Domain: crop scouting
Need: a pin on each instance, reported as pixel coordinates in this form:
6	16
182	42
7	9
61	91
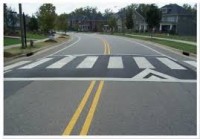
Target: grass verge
165	35
176	45
11	41
12	52
35	36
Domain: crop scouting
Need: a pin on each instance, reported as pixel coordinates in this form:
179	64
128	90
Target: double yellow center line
106	47
88	120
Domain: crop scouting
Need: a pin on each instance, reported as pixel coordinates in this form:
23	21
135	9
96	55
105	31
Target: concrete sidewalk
180	41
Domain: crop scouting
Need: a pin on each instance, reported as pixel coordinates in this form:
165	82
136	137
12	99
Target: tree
129	18
142	9
33	24
153	16
5	16
108	13
112	22
189	8
61	22
46	17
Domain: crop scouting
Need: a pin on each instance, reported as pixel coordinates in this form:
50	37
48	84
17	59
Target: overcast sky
67	7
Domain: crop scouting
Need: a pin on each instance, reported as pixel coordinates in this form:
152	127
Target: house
120	18
177	20
86	24
139	22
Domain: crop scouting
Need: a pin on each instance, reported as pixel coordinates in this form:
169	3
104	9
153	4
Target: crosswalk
143	63
115	63
111	62
15	65
60	63
192	63
171	64
88	62
35	64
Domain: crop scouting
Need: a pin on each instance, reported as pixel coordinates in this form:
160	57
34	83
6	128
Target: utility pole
21	25
24	25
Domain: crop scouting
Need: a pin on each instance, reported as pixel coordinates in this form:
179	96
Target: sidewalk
18	45
180	41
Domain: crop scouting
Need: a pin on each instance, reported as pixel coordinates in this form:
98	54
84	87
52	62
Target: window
169	19
164	10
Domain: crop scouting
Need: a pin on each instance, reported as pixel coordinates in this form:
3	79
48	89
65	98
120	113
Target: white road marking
60	63
79	38
34	64
192	63
146	72
171	64
147	48
15	65
7	71
115	63
99	79
154	78
143	63
88	62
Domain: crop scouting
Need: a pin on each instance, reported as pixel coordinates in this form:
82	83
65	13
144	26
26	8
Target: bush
172	32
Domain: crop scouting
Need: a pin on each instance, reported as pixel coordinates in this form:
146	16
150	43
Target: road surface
101	85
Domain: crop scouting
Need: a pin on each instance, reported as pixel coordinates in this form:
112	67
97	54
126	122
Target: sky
69	6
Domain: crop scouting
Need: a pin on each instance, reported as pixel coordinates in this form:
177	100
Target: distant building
139	22
178	20
86	24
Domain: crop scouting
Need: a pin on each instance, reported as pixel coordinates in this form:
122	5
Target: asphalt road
101	85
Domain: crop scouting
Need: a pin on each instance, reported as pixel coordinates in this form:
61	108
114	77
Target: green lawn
164	35
11	41
176	45
35	36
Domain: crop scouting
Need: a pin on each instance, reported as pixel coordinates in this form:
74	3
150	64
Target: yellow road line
76	115
108	47
105	47
91	112
83	102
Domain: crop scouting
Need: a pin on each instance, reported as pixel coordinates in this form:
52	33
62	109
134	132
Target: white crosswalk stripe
37	63
192	63
88	62
115	63
60	63
15	65
143	63
171	64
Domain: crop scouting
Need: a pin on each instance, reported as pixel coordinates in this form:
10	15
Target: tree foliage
33	24
108	13
142	9
61	22
153	16
129	18
10	18
46	17
112	22
190	9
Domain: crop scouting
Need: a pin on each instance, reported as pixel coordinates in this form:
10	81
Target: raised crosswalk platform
104	66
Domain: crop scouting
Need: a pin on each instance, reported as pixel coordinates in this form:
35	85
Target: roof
140	14
175	9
